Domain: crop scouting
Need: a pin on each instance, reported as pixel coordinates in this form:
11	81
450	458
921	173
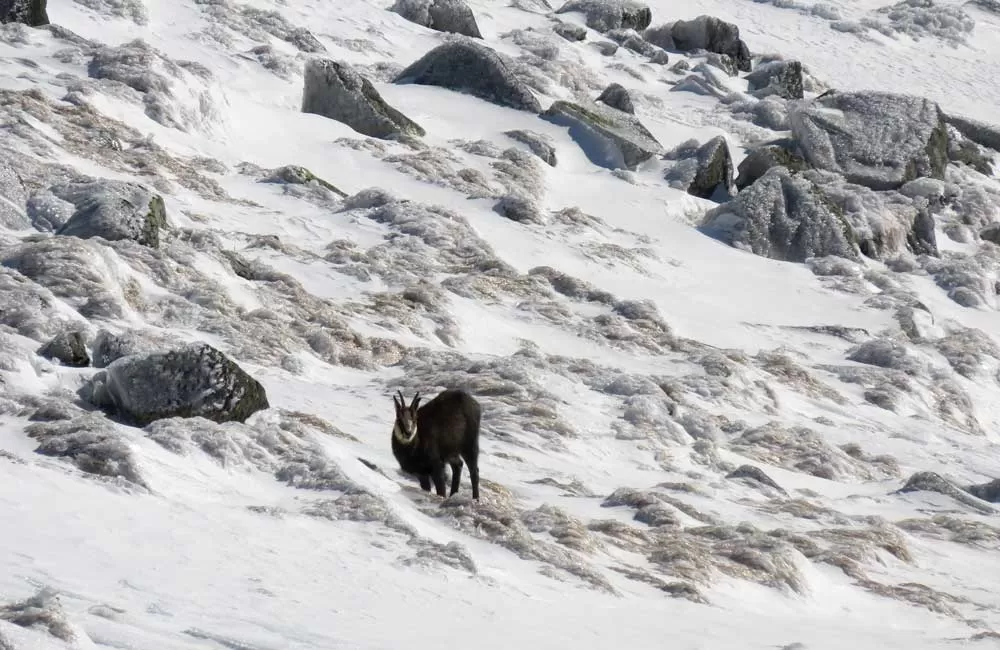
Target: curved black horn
416	398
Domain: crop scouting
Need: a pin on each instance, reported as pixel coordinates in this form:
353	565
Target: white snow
189	564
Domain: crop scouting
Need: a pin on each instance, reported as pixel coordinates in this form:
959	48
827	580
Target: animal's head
405	428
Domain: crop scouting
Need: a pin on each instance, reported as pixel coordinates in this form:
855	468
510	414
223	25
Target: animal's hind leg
456	475
472	460
425	482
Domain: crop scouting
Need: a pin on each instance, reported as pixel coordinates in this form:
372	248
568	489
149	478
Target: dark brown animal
444	430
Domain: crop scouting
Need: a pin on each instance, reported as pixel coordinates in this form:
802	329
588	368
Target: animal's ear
415	403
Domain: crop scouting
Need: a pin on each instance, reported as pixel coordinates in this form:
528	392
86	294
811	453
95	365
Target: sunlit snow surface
614	409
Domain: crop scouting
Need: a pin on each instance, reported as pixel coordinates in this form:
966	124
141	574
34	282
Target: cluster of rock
606	127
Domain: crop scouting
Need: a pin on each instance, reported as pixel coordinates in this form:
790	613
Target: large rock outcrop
113	210
703	33
875	139
605	15
452	16
784	217
192	381
336	90
32	13
610	138
470	67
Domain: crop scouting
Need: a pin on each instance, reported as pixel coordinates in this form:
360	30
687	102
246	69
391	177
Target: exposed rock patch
337	91
193	381
878	140
440	15
470	67
608	137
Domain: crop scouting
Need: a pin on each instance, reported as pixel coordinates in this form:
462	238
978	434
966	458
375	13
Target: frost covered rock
540	144
15	197
879	140
781	78
47	212
29	12
109	346
783	217
470	67
196	380
764	157
113	210
518	208
981	133
605	15
69	348
570	32
631	40
934	482
297	175
705	33
701	170
336	90
440	15
616	96
609	138
90	442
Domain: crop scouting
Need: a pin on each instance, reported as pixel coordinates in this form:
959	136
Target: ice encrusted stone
876	139
113	210
609	137
30	12
440	15
335	90
783	217
605	15
196	380
468	66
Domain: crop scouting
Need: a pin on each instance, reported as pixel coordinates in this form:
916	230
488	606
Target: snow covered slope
787	442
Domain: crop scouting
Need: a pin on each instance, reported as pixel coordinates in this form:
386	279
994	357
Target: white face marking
400	435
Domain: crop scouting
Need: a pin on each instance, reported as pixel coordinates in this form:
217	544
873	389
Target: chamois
444	430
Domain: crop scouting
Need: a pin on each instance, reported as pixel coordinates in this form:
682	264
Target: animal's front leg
438	476
425	482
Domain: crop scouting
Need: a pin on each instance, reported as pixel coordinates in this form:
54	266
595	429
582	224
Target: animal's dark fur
447	431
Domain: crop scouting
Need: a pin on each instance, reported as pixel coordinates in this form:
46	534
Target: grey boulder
452	16
763	157
540	145
704	33
875	139
605	15
29	12
69	348
114	210
981	133
702	170
608	137
109	346
336	90
616	96
783	217
468	66
781	78
196	380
